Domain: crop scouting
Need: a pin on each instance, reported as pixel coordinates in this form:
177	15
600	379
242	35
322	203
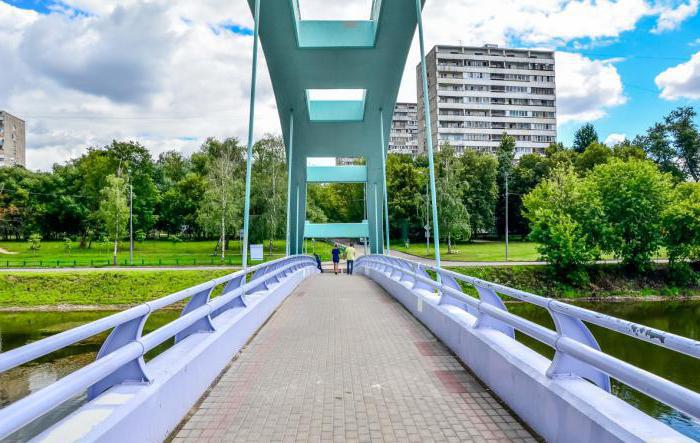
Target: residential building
478	93
404	130
12	140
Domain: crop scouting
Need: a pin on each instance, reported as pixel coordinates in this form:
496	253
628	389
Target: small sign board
256	252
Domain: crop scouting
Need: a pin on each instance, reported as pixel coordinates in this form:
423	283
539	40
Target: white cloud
614	139
671	18
586	88
168	74
681	81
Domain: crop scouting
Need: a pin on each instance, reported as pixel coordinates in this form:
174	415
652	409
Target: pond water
20	328
682	318
678	317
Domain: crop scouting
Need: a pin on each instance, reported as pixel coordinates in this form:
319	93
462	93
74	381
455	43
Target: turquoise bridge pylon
335	84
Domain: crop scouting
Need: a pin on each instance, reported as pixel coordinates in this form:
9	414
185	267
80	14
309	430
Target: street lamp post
131	224
506	217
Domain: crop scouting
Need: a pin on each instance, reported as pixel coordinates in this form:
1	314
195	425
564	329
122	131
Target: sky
170	73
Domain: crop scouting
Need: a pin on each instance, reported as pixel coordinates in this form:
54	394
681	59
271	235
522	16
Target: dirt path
6	252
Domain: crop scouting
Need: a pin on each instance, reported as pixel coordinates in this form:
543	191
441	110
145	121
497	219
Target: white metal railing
121	358
576	350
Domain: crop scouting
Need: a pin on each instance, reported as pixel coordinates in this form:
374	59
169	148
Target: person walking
336	258
350	257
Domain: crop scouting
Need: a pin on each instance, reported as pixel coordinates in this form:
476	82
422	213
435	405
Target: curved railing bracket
564	365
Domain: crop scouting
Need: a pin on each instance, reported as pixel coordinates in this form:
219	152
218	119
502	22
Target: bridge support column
290	156
375	199
297	198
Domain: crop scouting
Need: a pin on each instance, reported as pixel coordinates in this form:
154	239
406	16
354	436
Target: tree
632	196
560	215
674	144
686	140
405	185
681	225
594	154
584	136
479	173
222	204
114	210
179	205
134	162
35	242
269	188
505	154
453	215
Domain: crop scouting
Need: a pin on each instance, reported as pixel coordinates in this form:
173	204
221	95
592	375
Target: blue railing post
135	370
237	302
489	297
204	324
564	365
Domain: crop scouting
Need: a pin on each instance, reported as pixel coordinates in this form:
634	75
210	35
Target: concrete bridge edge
181	375
554	408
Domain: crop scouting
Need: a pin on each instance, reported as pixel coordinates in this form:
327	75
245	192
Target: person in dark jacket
336	258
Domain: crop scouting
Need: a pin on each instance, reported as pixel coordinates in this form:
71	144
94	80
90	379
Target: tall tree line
200	196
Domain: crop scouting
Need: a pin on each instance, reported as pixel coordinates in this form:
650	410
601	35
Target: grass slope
95	288
477	251
147	253
605	281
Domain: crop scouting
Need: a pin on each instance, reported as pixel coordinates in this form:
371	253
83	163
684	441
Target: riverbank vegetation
629	201
146	253
486	250
604	281
95	288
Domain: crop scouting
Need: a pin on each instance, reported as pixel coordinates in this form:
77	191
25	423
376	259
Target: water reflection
682	318
18	329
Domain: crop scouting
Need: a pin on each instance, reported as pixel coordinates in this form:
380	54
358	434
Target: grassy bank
147	253
605	281
477	251
95	288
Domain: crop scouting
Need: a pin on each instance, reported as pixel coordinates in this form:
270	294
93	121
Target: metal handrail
572	338
114	358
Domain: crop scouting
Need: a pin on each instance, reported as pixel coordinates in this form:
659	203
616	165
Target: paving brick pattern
342	361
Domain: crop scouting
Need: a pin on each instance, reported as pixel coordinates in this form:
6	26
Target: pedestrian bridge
280	352
398	352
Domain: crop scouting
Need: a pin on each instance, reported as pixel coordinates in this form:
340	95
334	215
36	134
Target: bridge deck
342	361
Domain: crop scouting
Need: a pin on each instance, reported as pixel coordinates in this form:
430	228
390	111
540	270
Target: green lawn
95	287
147	253
477	251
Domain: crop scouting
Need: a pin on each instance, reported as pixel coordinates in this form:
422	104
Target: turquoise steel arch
308	56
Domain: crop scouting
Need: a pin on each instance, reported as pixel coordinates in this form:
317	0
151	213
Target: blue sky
645	55
173	72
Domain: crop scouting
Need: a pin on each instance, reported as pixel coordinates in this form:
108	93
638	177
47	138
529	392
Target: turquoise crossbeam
336	230
336	174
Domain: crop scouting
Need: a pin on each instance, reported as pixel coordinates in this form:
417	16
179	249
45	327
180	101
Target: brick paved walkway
342	361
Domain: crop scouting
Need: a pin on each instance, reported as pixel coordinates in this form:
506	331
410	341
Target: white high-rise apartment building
404	130
12	140
478	93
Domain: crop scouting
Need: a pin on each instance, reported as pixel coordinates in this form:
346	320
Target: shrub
35	242
632	196
558	211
